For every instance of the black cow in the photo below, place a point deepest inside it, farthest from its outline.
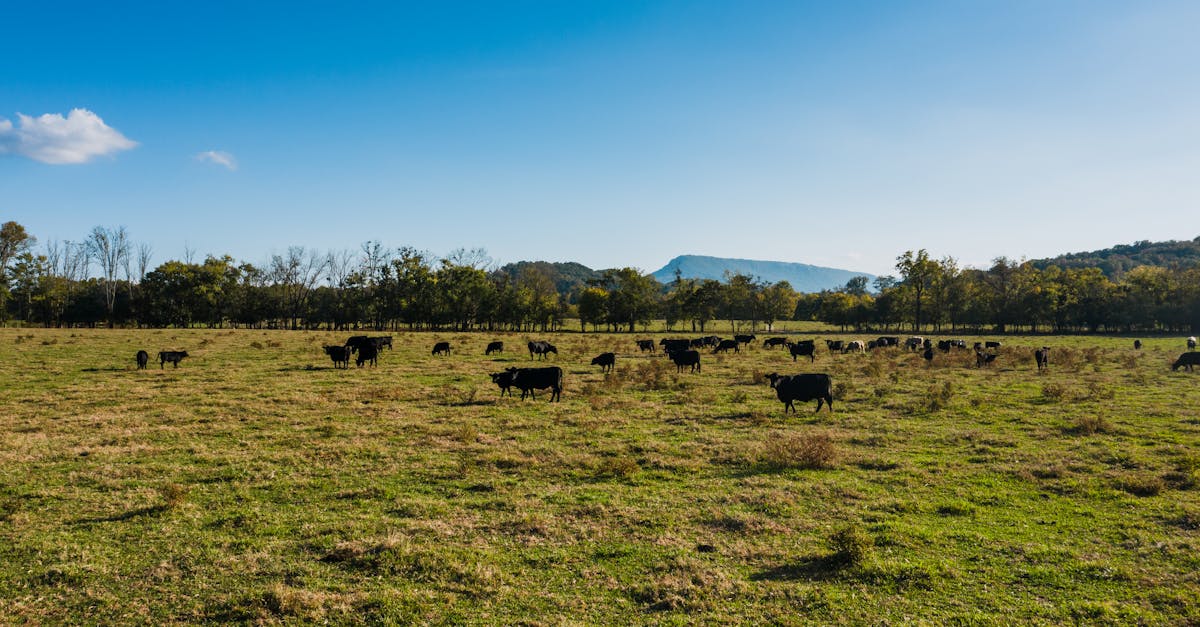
(354, 343)
(696, 343)
(726, 345)
(367, 353)
(772, 342)
(991, 344)
(944, 345)
(1042, 357)
(835, 345)
(978, 346)
(984, 359)
(381, 341)
(1137, 345)
(914, 343)
(605, 361)
(927, 354)
(671, 346)
(744, 339)
(143, 358)
(1187, 360)
(171, 356)
(504, 381)
(494, 347)
(645, 345)
(711, 340)
(958, 343)
(541, 348)
(887, 341)
(806, 348)
(872, 344)
(685, 358)
(803, 388)
(529, 379)
(441, 348)
(339, 354)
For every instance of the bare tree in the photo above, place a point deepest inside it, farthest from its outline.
(296, 273)
(339, 266)
(144, 253)
(476, 258)
(109, 248)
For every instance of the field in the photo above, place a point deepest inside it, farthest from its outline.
(256, 483)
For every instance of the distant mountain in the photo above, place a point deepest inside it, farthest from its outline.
(1115, 261)
(803, 277)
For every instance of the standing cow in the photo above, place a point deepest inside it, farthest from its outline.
(441, 348)
(494, 347)
(172, 356)
(685, 358)
(805, 348)
(541, 348)
(1191, 342)
(1042, 357)
(803, 388)
(645, 345)
(605, 361)
(143, 358)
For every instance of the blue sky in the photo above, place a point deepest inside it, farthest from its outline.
(609, 133)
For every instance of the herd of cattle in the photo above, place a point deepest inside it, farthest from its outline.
(685, 353)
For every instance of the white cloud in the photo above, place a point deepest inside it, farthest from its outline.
(51, 138)
(218, 157)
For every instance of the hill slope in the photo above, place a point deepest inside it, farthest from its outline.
(1115, 261)
(803, 277)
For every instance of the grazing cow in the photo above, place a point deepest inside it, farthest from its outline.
(978, 346)
(744, 339)
(540, 349)
(171, 356)
(1191, 343)
(913, 343)
(854, 346)
(504, 380)
(367, 353)
(645, 345)
(1042, 357)
(991, 344)
(803, 348)
(958, 343)
(670, 346)
(358, 341)
(983, 359)
(872, 345)
(696, 343)
(1137, 345)
(441, 348)
(381, 341)
(803, 388)
(944, 345)
(927, 354)
(339, 354)
(143, 358)
(835, 345)
(605, 361)
(529, 379)
(772, 342)
(685, 358)
(711, 340)
(1187, 360)
(494, 347)
(887, 341)
(726, 345)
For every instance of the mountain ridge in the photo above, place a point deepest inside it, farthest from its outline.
(803, 277)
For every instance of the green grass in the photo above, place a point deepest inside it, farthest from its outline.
(255, 483)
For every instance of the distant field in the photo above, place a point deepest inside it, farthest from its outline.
(257, 483)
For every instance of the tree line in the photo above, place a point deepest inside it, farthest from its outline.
(108, 279)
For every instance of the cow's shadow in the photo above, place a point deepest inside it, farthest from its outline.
(153, 510)
(815, 568)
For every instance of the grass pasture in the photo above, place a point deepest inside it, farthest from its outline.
(256, 483)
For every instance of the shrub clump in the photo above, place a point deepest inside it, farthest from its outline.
(807, 451)
(851, 544)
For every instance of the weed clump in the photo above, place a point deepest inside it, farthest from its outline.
(173, 494)
(1091, 425)
(1054, 391)
(805, 451)
(851, 544)
(1141, 485)
(938, 396)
